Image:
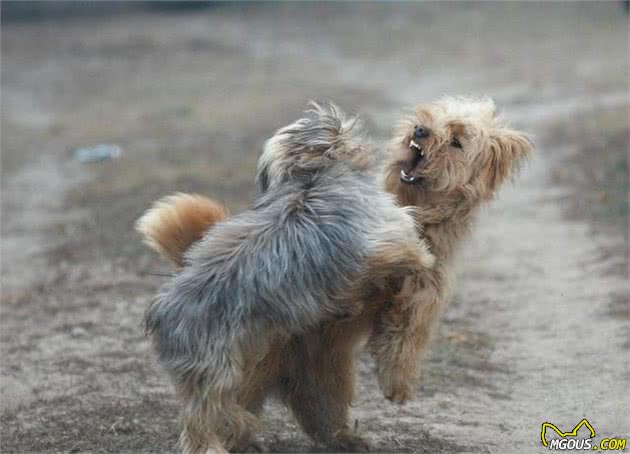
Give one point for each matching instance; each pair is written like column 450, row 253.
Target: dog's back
column 284, row 265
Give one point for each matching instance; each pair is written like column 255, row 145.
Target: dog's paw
column 397, row 391
column 348, row 441
column 399, row 394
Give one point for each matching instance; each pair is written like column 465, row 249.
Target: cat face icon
column 584, row 427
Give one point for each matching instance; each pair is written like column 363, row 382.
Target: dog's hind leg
column 198, row 434
column 318, row 385
column 211, row 421
column 259, row 383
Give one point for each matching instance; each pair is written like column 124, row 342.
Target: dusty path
column 539, row 328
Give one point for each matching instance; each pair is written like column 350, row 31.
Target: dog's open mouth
column 409, row 172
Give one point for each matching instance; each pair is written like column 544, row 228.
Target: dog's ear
column 507, row 147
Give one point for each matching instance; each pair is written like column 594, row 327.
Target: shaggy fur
column 446, row 160
column 320, row 239
column 314, row 371
column 177, row 221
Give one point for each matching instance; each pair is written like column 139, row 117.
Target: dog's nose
column 421, row 133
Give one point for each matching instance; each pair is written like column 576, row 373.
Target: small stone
column 77, row 331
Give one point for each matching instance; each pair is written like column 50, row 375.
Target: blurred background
column 109, row 106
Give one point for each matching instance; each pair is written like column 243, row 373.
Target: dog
column 320, row 239
column 446, row 160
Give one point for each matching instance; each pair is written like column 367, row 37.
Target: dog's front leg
column 401, row 333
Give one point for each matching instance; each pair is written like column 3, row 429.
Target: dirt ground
column 539, row 329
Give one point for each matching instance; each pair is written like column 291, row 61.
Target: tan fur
column 177, row 221
column 454, row 182
column 314, row 372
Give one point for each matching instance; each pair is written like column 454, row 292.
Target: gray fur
column 311, row 144
column 280, row 266
column 297, row 257
column 329, row 133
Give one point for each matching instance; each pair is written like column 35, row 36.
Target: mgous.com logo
column 571, row 441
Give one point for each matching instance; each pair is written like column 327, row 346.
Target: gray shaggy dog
column 320, row 236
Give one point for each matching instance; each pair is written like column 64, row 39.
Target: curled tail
column 177, row 221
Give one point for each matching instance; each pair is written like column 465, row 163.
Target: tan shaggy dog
column 446, row 159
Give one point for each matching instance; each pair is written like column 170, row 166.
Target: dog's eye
column 456, row 143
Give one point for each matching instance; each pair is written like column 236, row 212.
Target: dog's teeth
column 415, row 145
column 422, row 154
column 406, row 177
